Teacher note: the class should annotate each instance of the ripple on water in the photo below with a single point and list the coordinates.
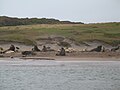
(60, 76)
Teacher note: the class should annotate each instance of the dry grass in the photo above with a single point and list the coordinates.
(106, 32)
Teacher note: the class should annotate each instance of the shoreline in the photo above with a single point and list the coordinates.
(70, 56)
(62, 58)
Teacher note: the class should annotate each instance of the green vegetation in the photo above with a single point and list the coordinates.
(28, 34)
(8, 21)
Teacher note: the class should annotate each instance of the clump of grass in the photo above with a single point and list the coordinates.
(112, 35)
(115, 42)
(107, 32)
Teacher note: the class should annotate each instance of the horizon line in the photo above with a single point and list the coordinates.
(58, 19)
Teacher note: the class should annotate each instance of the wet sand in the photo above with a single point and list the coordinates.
(107, 56)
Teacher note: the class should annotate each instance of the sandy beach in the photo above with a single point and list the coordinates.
(51, 55)
(70, 57)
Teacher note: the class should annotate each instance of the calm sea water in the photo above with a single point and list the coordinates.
(59, 75)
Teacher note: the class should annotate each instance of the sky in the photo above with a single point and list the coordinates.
(87, 11)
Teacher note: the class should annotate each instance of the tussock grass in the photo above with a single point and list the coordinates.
(106, 32)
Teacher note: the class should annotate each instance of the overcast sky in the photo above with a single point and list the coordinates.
(88, 11)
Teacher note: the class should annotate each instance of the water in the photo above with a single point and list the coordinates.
(59, 75)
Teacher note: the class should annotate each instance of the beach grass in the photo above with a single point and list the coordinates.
(28, 34)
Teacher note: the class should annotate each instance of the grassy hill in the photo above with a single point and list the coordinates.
(29, 34)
